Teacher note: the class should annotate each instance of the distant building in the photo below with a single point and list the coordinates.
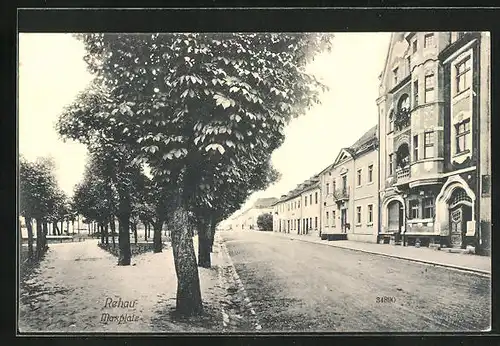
(299, 211)
(434, 120)
(349, 192)
(247, 220)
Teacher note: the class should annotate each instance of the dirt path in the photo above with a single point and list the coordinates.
(76, 285)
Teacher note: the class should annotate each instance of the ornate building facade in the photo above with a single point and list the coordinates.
(434, 167)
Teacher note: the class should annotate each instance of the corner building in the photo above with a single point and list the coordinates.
(434, 167)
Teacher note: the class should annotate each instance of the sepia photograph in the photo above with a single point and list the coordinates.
(254, 182)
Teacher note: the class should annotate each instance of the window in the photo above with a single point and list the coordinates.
(415, 93)
(358, 214)
(327, 188)
(359, 177)
(429, 88)
(298, 204)
(288, 206)
(408, 64)
(316, 222)
(370, 213)
(415, 148)
(428, 40)
(333, 218)
(315, 198)
(344, 183)
(462, 136)
(334, 185)
(428, 208)
(428, 144)
(310, 222)
(370, 173)
(463, 77)
(395, 75)
(415, 46)
(327, 219)
(305, 201)
(391, 164)
(310, 199)
(414, 209)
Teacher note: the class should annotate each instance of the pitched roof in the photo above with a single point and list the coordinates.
(265, 202)
(364, 140)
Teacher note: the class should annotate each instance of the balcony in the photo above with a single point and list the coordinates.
(340, 195)
(402, 119)
(402, 175)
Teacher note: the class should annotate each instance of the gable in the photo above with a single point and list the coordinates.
(344, 155)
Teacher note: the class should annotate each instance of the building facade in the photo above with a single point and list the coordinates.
(434, 167)
(298, 211)
(349, 192)
(247, 220)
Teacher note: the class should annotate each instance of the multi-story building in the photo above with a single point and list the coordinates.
(299, 210)
(349, 192)
(434, 167)
(247, 220)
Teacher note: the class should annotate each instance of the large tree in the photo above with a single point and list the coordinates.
(39, 198)
(201, 109)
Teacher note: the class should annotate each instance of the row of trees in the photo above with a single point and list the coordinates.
(42, 201)
(204, 113)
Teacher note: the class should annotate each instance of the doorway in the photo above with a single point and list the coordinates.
(459, 215)
(343, 220)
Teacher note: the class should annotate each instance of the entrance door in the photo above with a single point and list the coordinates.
(401, 217)
(459, 215)
(343, 219)
(456, 227)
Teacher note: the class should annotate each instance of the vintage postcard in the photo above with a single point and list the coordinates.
(254, 182)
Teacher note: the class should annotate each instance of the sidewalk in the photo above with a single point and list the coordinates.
(471, 263)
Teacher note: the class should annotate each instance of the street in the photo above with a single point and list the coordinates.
(299, 286)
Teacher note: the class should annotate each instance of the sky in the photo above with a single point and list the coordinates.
(52, 72)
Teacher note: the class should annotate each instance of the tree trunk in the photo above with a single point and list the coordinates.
(62, 228)
(54, 228)
(101, 226)
(113, 230)
(145, 231)
(188, 284)
(149, 230)
(212, 236)
(44, 237)
(134, 229)
(106, 233)
(29, 226)
(204, 246)
(124, 226)
(157, 242)
(39, 238)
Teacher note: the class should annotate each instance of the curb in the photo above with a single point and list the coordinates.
(439, 264)
(226, 258)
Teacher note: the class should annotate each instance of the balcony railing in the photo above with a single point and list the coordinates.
(341, 194)
(402, 119)
(402, 174)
